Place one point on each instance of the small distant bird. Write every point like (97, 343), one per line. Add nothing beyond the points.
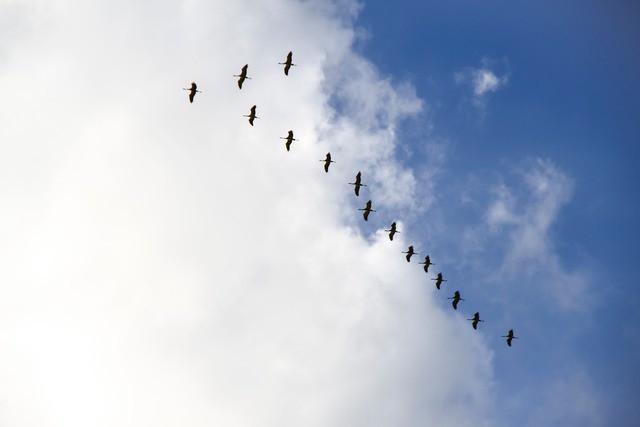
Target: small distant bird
(242, 75)
(289, 139)
(288, 63)
(456, 298)
(252, 116)
(192, 91)
(327, 161)
(509, 337)
(439, 280)
(427, 262)
(409, 253)
(358, 183)
(476, 319)
(392, 231)
(367, 210)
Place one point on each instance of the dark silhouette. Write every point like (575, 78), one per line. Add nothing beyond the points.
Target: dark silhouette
(358, 183)
(427, 262)
(392, 231)
(288, 63)
(327, 161)
(476, 319)
(456, 298)
(439, 280)
(289, 139)
(192, 91)
(367, 210)
(252, 116)
(243, 76)
(509, 337)
(409, 253)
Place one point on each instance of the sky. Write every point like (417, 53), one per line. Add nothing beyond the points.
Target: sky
(166, 263)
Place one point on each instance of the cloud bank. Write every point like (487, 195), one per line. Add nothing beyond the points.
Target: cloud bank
(166, 263)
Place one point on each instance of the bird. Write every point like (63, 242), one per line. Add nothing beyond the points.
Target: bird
(392, 231)
(289, 139)
(358, 183)
(252, 116)
(288, 63)
(427, 262)
(242, 75)
(192, 91)
(327, 161)
(476, 319)
(409, 253)
(456, 298)
(367, 210)
(509, 337)
(439, 280)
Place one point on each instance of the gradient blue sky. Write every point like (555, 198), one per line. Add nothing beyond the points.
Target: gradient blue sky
(572, 97)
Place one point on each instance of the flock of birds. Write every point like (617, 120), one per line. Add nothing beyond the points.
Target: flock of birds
(456, 298)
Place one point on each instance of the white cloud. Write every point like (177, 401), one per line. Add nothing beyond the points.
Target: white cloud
(165, 263)
(483, 81)
(522, 219)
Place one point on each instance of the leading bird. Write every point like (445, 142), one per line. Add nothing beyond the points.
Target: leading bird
(288, 63)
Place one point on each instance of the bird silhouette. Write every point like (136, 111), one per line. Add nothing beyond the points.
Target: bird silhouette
(427, 262)
(367, 210)
(439, 280)
(289, 139)
(252, 116)
(509, 337)
(288, 63)
(327, 161)
(192, 91)
(476, 319)
(456, 298)
(409, 253)
(358, 184)
(242, 75)
(392, 231)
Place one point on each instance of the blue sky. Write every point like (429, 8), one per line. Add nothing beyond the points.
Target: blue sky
(163, 262)
(572, 97)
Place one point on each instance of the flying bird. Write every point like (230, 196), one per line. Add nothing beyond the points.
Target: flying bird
(392, 231)
(439, 280)
(252, 116)
(509, 337)
(476, 319)
(409, 253)
(289, 139)
(367, 210)
(358, 183)
(327, 161)
(192, 91)
(456, 298)
(242, 75)
(288, 63)
(427, 262)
